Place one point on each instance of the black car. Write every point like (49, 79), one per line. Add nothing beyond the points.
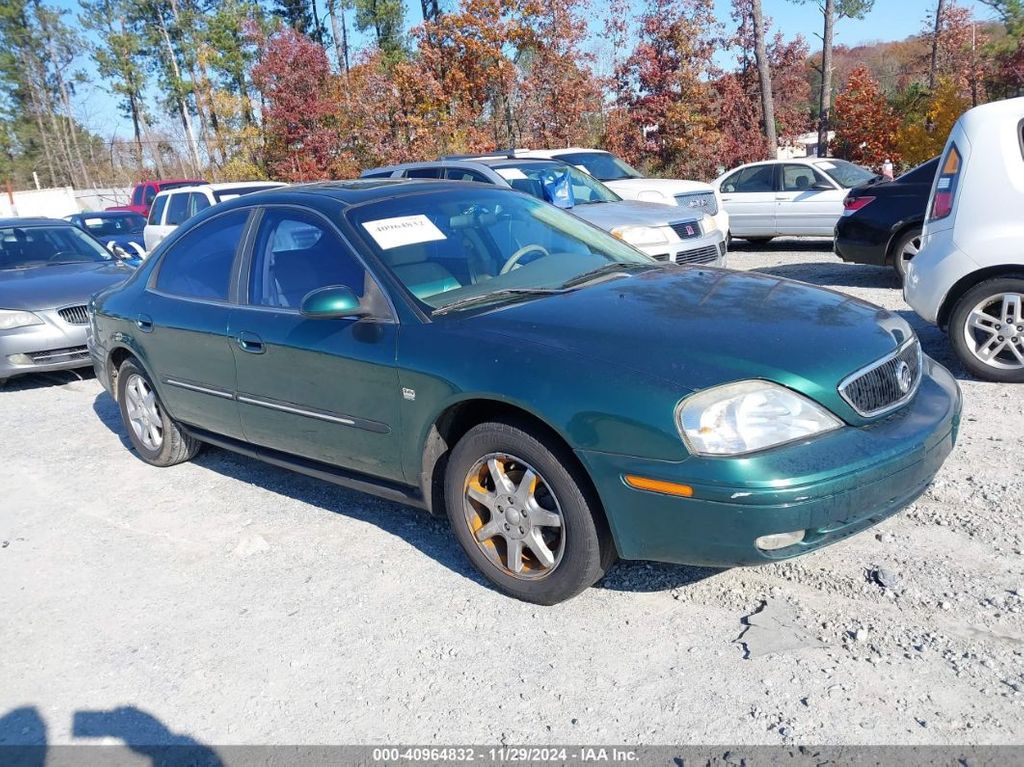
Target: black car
(881, 221)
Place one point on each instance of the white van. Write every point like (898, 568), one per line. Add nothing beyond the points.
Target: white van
(968, 277)
(172, 208)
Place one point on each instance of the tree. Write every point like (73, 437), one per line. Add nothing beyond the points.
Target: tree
(764, 79)
(664, 89)
(955, 44)
(558, 86)
(866, 127)
(832, 11)
(918, 140)
(118, 60)
(385, 18)
(300, 109)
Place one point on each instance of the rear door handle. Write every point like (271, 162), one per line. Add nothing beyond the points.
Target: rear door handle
(145, 323)
(250, 342)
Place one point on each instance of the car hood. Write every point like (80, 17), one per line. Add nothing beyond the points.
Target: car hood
(664, 188)
(700, 327)
(49, 287)
(609, 215)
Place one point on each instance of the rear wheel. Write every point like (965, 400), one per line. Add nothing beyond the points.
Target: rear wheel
(986, 329)
(523, 515)
(156, 436)
(906, 248)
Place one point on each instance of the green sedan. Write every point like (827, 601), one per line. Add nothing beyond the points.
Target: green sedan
(563, 398)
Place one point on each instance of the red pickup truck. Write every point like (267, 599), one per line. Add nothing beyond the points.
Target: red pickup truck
(145, 191)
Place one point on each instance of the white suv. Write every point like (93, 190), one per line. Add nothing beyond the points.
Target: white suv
(172, 208)
(630, 184)
(969, 275)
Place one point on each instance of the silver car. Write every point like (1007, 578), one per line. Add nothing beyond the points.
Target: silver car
(48, 271)
(665, 233)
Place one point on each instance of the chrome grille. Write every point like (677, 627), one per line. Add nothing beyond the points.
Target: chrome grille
(706, 255)
(662, 257)
(686, 230)
(74, 315)
(885, 385)
(705, 201)
(69, 354)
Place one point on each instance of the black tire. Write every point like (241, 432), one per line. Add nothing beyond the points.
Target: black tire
(588, 549)
(758, 240)
(899, 263)
(964, 345)
(175, 445)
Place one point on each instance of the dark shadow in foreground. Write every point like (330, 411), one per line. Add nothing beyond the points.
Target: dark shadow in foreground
(23, 739)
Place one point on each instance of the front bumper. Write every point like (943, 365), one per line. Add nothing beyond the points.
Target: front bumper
(53, 345)
(830, 487)
(708, 249)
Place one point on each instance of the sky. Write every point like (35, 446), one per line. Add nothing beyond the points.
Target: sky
(888, 20)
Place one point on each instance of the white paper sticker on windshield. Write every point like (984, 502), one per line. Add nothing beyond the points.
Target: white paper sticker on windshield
(94, 222)
(403, 230)
(826, 165)
(510, 174)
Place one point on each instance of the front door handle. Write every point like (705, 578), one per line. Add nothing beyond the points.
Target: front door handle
(144, 323)
(250, 342)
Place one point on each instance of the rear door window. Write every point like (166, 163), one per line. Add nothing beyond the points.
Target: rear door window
(461, 174)
(758, 178)
(137, 196)
(156, 214)
(199, 264)
(177, 209)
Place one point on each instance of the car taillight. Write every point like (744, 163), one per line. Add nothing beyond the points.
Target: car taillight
(853, 204)
(945, 187)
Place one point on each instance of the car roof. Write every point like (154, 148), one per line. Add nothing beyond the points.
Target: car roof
(347, 193)
(108, 214)
(487, 161)
(221, 186)
(35, 221)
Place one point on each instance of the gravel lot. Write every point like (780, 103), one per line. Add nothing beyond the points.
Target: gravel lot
(227, 601)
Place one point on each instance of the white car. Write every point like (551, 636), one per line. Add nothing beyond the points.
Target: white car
(793, 198)
(969, 274)
(630, 184)
(172, 208)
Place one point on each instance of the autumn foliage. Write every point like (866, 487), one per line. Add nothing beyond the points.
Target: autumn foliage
(866, 126)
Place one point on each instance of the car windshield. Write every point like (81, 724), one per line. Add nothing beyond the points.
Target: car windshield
(22, 247)
(601, 165)
(846, 174)
(451, 246)
(109, 226)
(922, 174)
(536, 178)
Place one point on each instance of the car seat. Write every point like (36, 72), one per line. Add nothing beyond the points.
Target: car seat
(423, 277)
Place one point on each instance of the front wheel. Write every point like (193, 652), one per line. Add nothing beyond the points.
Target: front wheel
(986, 329)
(156, 437)
(906, 248)
(523, 515)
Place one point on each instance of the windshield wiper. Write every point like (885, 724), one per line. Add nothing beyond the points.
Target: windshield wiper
(496, 294)
(582, 279)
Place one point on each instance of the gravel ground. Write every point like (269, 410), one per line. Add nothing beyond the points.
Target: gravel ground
(228, 601)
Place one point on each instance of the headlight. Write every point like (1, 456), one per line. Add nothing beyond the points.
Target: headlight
(747, 416)
(709, 224)
(641, 235)
(13, 318)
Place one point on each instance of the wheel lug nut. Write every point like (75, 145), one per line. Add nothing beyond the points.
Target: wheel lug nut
(999, 338)
(507, 526)
(521, 530)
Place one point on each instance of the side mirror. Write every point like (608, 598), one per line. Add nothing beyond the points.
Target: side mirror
(332, 303)
(822, 186)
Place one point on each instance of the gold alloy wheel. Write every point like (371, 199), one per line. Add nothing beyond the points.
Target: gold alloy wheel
(514, 517)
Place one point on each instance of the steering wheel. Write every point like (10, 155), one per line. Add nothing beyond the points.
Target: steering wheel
(520, 254)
